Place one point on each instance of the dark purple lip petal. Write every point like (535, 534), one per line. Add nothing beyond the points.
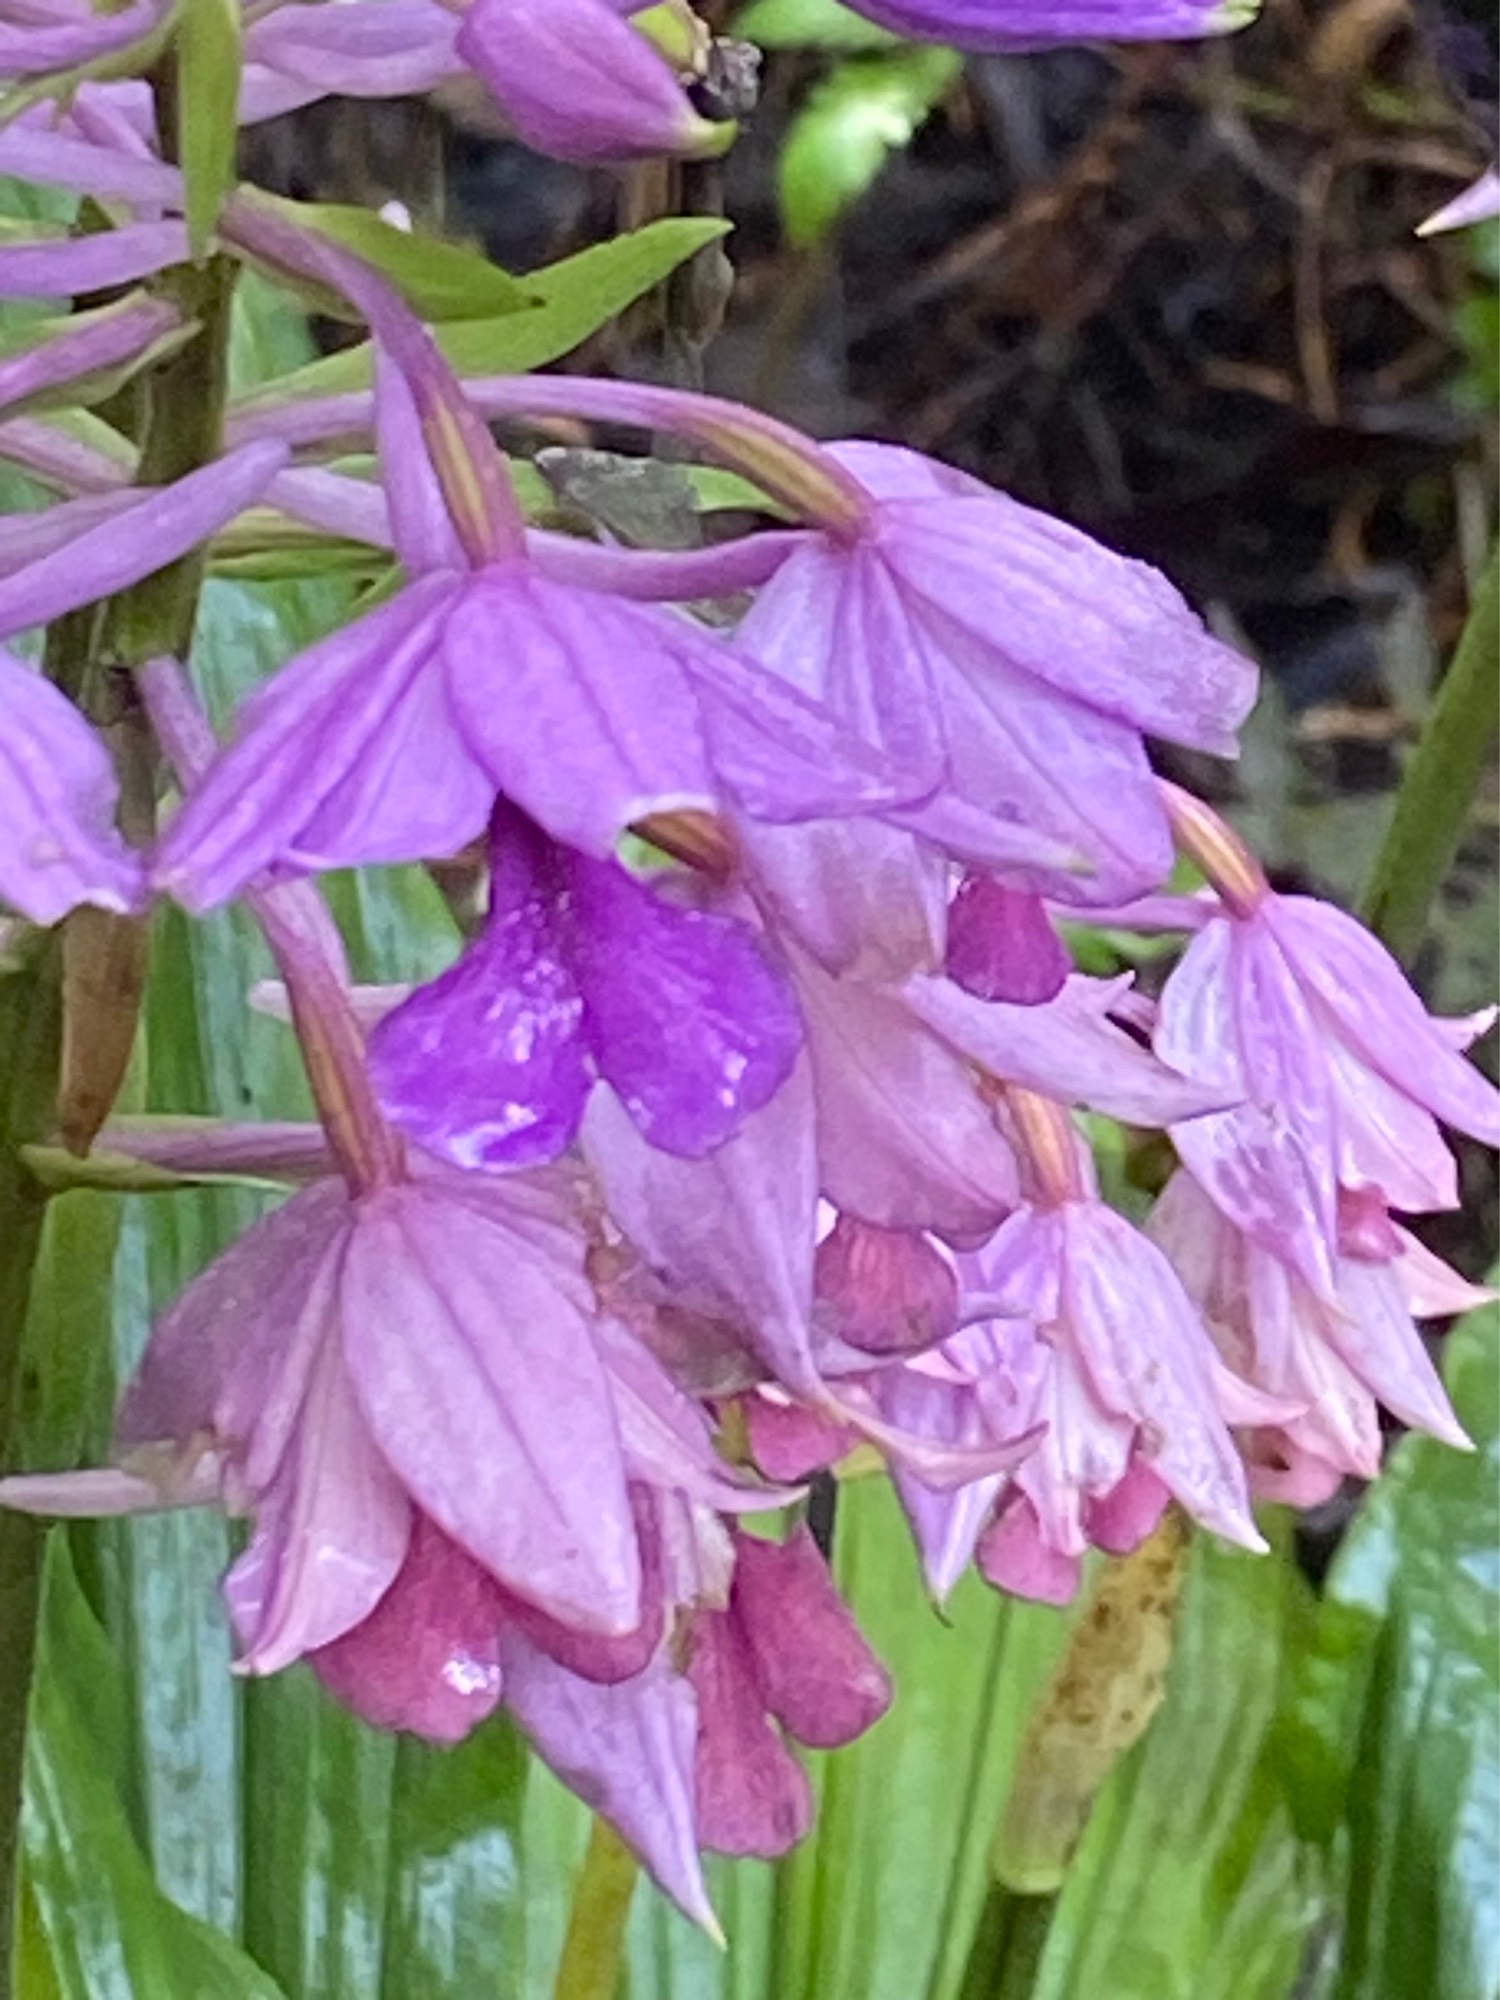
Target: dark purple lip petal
(685, 1015)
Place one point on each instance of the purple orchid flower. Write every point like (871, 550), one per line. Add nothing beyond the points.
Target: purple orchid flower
(583, 969)
(576, 80)
(58, 790)
(1338, 1360)
(1014, 27)
(1344, 1076)
(936, 625)
(1134, 1371)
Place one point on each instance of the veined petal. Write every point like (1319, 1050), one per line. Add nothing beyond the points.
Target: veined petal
(1013, 580)
(58, 843)
(233, 1326)
(1066, 1048)
(165, 523)
(628, 1751)
(1149, 1355)
(575, 704)
(903, 1139)
(731, 1235)
(1362, 993)
(462, 1350)
(330, 1535)
(347, 756)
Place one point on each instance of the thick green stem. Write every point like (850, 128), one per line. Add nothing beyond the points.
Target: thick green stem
(1009, 1941)
(67, 1022)
(30, 1030)
(1437, 792)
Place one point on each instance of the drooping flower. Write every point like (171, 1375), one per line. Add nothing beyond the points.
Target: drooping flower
(1012, 27)
(1339, 1360)
(582, 969)
(577, 80)
(1295, 1007)
(1133, 1373)
(58, 843)
(1014, 658)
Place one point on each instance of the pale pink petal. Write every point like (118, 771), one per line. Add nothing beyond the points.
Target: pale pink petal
(464, 1349)
(628, 1751)
(330, 1534)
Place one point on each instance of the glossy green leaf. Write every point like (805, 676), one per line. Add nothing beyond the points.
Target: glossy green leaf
(440, 280)
(575, 298)
(1423, 1817)
(841, 138)
(108, 1931)
(208, 98)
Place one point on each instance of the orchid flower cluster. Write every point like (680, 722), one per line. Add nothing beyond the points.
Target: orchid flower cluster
(750, 1128)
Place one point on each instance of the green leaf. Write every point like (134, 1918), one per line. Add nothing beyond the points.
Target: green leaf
(104, 1928)
(574, 299)
(439, 280)
(854, 119)
(208, 98)
(1422, 1821)
(810, 24)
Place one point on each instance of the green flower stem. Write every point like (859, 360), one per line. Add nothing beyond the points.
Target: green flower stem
(67, 1022)
(593, 1952)
(1102, 1695)
(30, 1034)
(1437, 791)
(1009, 1941)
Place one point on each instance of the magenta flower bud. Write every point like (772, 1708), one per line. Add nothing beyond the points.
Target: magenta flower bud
(1001, 944)
(578, 82)
(786, 1655)
(885, 1291)
(1009, 27)
(427, 1658)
